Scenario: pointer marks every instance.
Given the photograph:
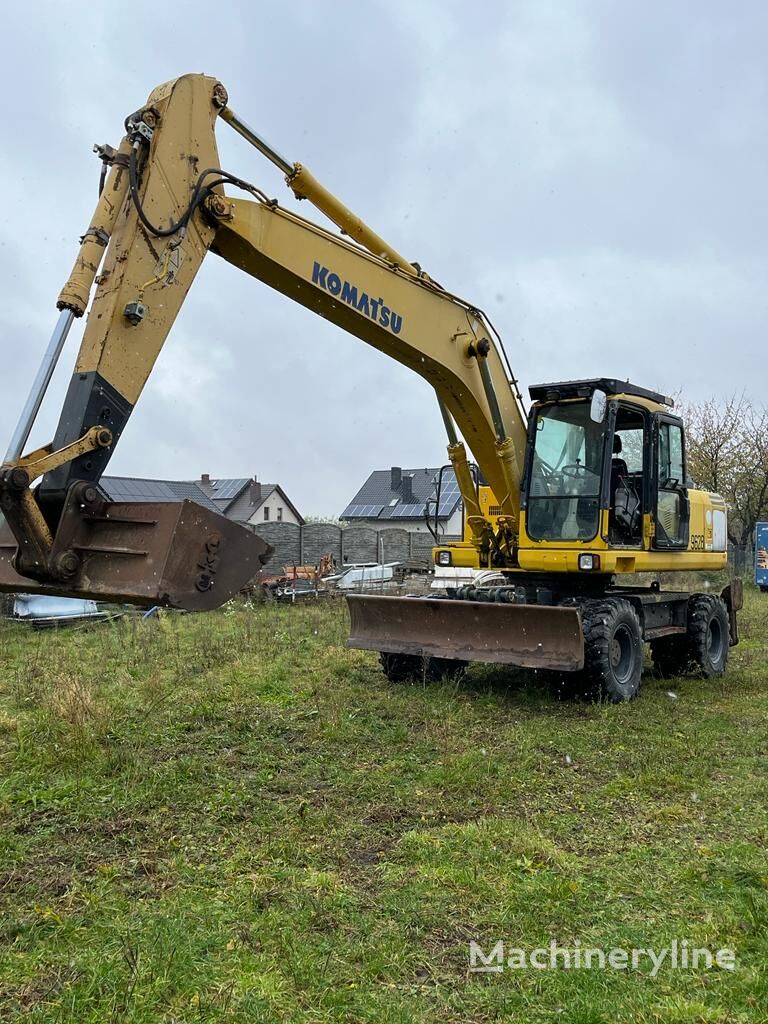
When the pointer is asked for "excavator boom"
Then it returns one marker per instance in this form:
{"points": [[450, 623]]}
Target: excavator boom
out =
{"points": [[162, 208]]}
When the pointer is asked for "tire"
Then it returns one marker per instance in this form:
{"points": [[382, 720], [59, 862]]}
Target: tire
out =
{"points": [[613, 649], [401, 667], [671, 655], [446, 668], [708, 635]]}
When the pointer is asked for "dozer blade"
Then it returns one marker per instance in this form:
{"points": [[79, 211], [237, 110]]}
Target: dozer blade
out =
{"points": [[176, 554], [532, 636]]}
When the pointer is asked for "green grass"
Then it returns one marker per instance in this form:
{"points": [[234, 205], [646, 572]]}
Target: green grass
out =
{"points": [[233, 818]]}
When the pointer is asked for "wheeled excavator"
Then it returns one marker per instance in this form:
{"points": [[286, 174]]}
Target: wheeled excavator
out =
{"points": [[565, 504]]}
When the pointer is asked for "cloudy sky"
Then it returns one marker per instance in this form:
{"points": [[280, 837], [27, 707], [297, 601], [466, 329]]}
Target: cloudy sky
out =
{"points": [[591, 173]]}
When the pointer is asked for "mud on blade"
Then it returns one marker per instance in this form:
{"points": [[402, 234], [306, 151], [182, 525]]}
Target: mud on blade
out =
{"points": [[176, 554], [532, 636]]}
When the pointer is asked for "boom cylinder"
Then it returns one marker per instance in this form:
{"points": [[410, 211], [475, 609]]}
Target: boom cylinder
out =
{"points": [[255, 140], [305, 186], [40, 386], [505, 446], [490, 392], [76, 292], [450, 426]]}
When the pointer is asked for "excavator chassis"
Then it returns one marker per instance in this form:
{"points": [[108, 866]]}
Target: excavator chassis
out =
{"points": [[174, 554], [531, 636]]}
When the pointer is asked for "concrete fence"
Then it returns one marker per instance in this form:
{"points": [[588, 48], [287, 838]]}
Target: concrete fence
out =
{"points": [[304, 545]]}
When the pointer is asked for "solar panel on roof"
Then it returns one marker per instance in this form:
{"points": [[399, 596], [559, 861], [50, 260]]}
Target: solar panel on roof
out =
{"points": [[408, 511], [126, 489], [229, 488], [118, 488]]}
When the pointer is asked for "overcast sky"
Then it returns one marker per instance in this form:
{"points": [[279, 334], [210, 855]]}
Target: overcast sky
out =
{"points": [[591, 173]]}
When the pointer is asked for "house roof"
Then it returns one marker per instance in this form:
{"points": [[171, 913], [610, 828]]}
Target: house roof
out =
{"points": [[377, 499], [128, 488], [226, 492]]}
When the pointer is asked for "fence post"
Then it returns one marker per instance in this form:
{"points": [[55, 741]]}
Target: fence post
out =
{"points": [[301, 545]]}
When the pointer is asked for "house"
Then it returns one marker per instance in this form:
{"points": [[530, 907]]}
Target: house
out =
{"points": [[398, 498], [247, 500], [242, 500]]}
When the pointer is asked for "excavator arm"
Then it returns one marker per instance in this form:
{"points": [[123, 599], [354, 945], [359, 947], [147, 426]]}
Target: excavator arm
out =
{"points": [[162, 208]]}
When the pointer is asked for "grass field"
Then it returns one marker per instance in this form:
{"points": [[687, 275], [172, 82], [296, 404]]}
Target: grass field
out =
{"points": [[233, 818]]}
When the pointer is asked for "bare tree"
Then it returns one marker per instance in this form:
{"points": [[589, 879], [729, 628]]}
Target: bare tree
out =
{"points": [[728, 453]]}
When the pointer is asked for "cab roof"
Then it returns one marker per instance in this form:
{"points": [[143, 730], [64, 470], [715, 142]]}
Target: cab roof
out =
{"points": [[584, 388]]}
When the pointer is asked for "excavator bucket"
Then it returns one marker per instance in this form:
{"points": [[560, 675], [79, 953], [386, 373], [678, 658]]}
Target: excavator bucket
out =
{"points": [[176, 554], [532, 636]]}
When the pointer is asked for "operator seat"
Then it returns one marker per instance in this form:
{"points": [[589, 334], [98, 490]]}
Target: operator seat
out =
{"points": [[625, 504], [619, 468]]}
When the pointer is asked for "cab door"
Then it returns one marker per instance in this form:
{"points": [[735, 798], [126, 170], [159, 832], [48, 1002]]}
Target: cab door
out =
{"points": [[669, 484]]}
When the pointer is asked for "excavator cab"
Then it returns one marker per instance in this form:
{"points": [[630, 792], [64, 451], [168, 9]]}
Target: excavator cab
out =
{"points": [[604, 489], [606, 483]]}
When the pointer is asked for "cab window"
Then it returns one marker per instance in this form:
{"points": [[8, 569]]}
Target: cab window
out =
{"points": [[564, 492], [672, 509], [625, 496], [671, 469]]}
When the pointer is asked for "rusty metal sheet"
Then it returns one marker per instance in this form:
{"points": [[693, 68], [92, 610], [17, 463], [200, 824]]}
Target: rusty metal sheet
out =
{"points": [[176, 554], [532, 636]]}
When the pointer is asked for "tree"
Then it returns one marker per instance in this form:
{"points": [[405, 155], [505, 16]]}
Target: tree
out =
{"points": [[728, 453], [333, 520]]}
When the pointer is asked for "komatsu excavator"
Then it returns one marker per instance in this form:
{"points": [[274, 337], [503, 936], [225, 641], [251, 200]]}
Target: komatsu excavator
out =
{"points": [[562, 504]]}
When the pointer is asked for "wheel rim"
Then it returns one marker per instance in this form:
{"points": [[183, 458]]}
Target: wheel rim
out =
{"points": [[715, 641], [621, 654]]}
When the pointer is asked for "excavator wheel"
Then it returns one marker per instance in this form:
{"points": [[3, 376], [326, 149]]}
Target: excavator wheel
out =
{"points": [[446, 668], [670, 656], [401, 667], [708, 631], [703, 650], [613, 649]]}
